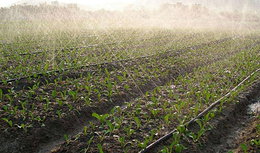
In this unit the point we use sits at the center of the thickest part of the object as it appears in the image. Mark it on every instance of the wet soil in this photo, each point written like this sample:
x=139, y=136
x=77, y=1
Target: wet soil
x=56, y=128
x=236, y=124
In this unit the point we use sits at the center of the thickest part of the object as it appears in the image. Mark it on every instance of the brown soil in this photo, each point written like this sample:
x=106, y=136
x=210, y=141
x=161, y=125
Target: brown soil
x=15, y=140
x=232, y=127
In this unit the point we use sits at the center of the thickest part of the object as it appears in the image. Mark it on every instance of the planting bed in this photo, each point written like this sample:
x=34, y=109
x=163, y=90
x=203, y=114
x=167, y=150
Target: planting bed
x=119, y=90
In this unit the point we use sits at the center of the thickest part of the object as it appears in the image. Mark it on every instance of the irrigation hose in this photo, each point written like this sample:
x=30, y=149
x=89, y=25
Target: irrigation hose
x=169, y=135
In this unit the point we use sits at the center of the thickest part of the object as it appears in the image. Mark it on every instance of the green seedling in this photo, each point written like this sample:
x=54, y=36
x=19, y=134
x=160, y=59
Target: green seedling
x=179, y=148
x=129, y=130
x=8, y=121
x=74, y=94
x=70, y=107
x=10, y=98
x=138, y=122
x=122, y=141
x=59, y=113
x=89, y=142
x=112, y=111
x=101, y=118
x=66, y=138
x=14, y=112
x=118, y=122
x=39, y=119
x=1, y=94
x=60, y=102
x=85, y=130
x=53, y=93
x=181, y=129
x=255, y=142
x=155, y=112
x=31, y=114
x=92, y=125
x=166, y=118
x=206, y=118
x=142, y=145
x=101, y=137
x=196, y=137
x=63, y=95
x=100, y=148
x=23, y=127
x=244, y=147
x=46, y=106
x=111, y=126
x=126, y=87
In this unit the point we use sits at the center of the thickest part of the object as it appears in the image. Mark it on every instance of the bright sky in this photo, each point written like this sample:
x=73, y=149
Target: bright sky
x=5, y=3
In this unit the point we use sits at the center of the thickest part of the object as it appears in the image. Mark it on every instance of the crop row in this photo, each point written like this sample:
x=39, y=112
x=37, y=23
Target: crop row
x=58, y=73
x=167, y=107
x=16, y=66
x=28, y=110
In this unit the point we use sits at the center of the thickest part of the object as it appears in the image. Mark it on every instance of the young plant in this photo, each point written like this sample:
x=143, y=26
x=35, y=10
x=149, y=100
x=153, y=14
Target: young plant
x=66, y=138
x=122, y=141
x=118, y=122
x=85, y=130
x=168, y=150
x=10, y=98
x=111, y=126
x=101, y=118
x=155, y=112
x=129, y=131
x=59, y=113
x=89, y=142
x=101, y=137
x=244, y=147
x=179, y=148
x=53, y=93
x=46, y=106
x=24, y=127
x=138, y=122
x=8, y=121
x=74, y=94
x=100, y=148
x=1, y=94
x=166, y=118
x=92, y=125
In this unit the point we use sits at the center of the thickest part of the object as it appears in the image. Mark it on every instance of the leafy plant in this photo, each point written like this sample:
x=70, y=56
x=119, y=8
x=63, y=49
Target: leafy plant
x=122, y=141
x=138, y=122
x=129, y=130
x=101, y=118
x=66, y=138
x=111, y=126
x=1, y=94
x=23, y=127
x=100, y=148
x=244, y=147
x=92, y=125
x=8, y=121
x=85, y=150
x=85, y=130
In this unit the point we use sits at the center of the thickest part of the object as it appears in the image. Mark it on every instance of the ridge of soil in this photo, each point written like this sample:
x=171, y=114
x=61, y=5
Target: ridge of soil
x=232, y=126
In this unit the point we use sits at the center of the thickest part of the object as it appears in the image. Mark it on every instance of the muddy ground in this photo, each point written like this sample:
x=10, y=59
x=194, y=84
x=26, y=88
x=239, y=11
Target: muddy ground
x=235, y=125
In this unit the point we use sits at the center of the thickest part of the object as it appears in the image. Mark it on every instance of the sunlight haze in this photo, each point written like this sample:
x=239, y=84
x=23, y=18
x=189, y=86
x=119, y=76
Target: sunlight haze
x=88, y=2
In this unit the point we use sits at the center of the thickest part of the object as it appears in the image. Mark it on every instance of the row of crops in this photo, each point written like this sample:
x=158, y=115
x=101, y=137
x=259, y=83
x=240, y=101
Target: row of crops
x=121, y=88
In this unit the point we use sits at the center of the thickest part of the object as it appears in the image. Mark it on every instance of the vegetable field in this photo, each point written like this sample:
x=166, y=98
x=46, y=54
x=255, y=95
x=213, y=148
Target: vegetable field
x=84, y=89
